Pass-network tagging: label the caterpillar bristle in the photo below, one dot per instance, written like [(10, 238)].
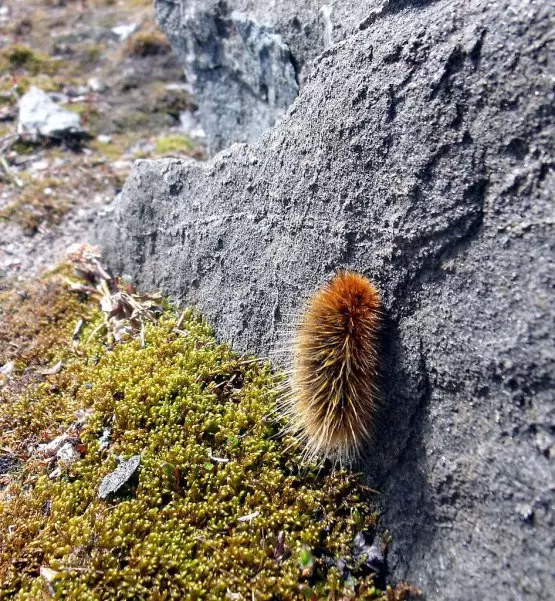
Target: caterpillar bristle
[(333, 395)]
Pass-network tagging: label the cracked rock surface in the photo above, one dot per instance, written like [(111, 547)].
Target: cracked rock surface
[(420, 153)]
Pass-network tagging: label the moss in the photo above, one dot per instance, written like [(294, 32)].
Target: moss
[(220, 507), (18, 57), (94, 52), (172, 101), (174, 144), (37, 319), (133, 120), (43, 201), (147, 43), (115, 149), (139, 3)]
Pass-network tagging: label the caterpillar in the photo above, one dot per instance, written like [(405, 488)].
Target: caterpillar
[(333, 386)]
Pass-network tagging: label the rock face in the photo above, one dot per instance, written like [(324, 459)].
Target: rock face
[(420, 153), (247, 58)]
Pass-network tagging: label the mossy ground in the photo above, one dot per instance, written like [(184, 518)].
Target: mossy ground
[(221, 507)]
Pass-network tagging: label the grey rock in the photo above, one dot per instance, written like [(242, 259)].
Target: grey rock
[(67, 454), (39, 115), (85, 33), (116, 480), (96, 85), (104, 139), (420, 152), (247, 58), (242, 70)]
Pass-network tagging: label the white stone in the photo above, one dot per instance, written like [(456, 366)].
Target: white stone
[(39, 115), (124, 31)]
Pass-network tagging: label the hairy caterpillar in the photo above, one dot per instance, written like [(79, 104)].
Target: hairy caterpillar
[(333, 391)]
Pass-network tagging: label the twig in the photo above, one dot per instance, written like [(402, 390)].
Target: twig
[(180, 320), (9, 173), (7, 141), (142, 334)]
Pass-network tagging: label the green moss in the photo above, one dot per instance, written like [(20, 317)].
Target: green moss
[(179, 144), (172, 101), (218, 486), (37, 319), (136, 119), (115, 149), (21, 57)]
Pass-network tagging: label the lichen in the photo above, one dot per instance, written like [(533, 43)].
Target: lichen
[(221, 507)]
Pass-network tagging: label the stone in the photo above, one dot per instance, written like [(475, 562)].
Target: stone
[(247, 59), (96, 85), (8, 464), (114, 482), (39, 116), (67, 454), (125, 31), (420, 153), (49, 449)]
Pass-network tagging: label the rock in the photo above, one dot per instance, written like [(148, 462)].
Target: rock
[(67, 454), (247, 58), (51, 448), (96, 85), (370, 556), (7, 368), (8, 464), (190, 125), (420, 153), (79, 35), (104, 139), (125, 31), (243, 72), (114, 481), (39, 115)]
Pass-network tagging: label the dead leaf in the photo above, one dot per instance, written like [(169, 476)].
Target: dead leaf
[(52, 370), (249, 517)]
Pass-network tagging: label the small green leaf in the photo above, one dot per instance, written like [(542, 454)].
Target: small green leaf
[(306, 559)]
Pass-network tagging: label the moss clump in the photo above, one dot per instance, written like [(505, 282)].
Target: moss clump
[(220, 508), (170, 100), (147, 43), (21, 57), (114, 149), (175, 144)]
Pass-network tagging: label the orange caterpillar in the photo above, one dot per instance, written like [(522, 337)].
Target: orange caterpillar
[(333, 385)]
